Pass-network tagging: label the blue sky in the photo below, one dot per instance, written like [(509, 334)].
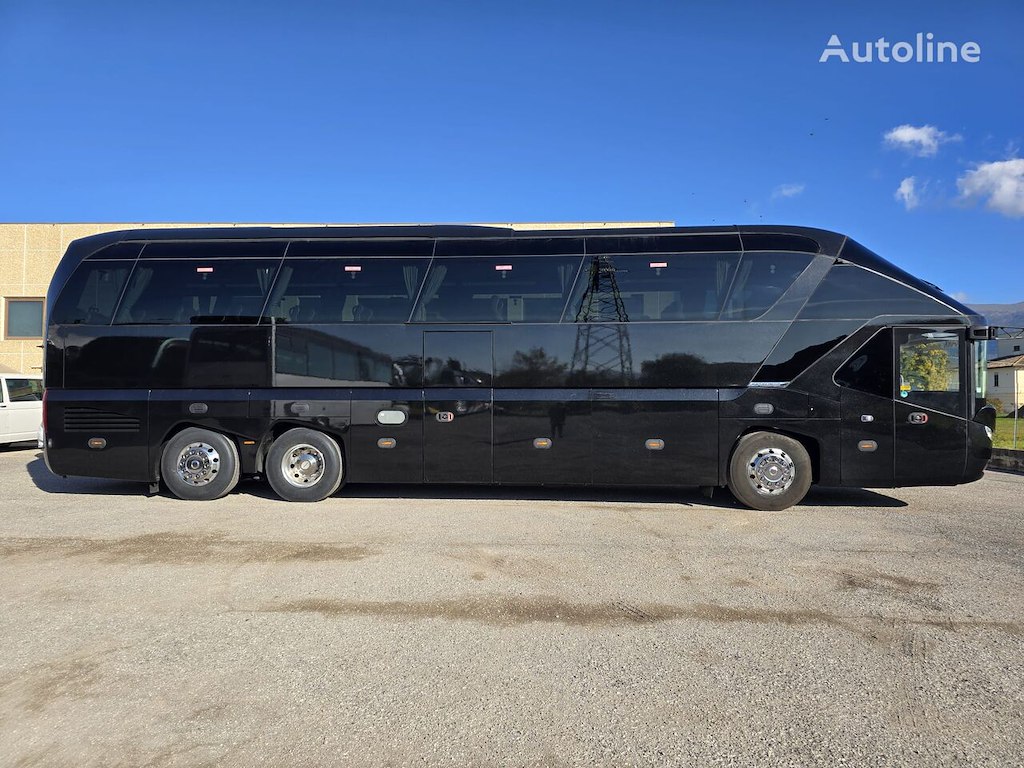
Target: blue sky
[(697, 112)]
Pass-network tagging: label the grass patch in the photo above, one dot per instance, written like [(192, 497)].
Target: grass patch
[(1004, 433)]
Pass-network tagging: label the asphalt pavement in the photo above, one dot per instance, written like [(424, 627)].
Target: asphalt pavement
[(481, 626)]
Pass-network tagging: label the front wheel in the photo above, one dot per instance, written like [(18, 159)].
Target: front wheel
[(199, 465), (304, 465), (769, 472)]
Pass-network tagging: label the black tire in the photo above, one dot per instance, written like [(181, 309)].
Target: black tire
[(199, 465), (304, 465), (769, 472)]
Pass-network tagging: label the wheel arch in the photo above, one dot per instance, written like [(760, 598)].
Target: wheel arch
[(278, 428), (811, 444), (171, 432), (213, 488)]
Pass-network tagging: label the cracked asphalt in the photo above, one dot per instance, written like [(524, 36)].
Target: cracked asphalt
[(482, 626)]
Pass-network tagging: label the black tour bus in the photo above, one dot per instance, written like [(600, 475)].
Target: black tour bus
[(759, 358)]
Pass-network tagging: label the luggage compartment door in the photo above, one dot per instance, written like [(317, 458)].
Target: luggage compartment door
[(655, 436)]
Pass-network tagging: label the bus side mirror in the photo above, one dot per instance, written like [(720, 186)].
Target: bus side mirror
[(986, 416)]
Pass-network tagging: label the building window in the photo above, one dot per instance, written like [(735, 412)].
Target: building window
[(1016, 347), (995, 383), (24, 319)]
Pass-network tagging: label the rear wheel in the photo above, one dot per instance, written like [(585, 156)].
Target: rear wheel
[(304, 465), (769, 472), (199, 465)]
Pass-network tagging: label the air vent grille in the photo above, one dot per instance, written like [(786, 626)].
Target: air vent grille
[(77, 419)]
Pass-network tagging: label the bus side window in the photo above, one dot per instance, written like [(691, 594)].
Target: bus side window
[(870, 368), (760, 282), (652, 287), (851, 292), (90, 296), (497, 289), (345, 290), (187, 291)]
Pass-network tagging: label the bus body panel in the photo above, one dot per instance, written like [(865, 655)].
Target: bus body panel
[(390, 452), (867, 440), (99, 433), (638, 400), (221, 410), (543, 437), (655, 436)]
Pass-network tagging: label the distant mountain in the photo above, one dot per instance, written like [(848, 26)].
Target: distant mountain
[(1002, 314)]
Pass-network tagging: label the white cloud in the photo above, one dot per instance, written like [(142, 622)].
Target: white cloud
[(907, 194), (1000, 184), (960, 296), (922, 141), (787, 190)]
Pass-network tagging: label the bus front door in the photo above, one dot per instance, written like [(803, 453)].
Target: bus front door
[(866, 413), (931, 406), (457, 368)]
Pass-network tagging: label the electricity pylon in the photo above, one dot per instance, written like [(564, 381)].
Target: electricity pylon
[(603, 353)]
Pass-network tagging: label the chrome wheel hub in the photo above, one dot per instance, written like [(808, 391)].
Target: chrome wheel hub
[(303, 466), (771, 471), (198, 463)]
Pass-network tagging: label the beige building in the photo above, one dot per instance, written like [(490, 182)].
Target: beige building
[(1006, 383), (29, 254)]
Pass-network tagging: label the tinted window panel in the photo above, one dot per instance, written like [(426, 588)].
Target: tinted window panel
[(525, 289), (653, 287), (90, 296), (769, 241), (118, 251), (190, 291), (320, 291), (870, 368), (356, 248), (212, 249), (511, 246), (25, 390), (318, 358), (802, 346), (663, 243), (222, 356), (851, 292), (857, 254), (761, 280)]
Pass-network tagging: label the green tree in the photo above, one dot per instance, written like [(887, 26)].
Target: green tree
[(927, 368), (529, 368)]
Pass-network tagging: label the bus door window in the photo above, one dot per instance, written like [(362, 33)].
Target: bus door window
[(930, 370)]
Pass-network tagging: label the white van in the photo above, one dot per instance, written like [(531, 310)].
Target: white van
[(21, 407)]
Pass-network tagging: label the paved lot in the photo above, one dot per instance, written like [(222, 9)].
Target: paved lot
[(480, 626)]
